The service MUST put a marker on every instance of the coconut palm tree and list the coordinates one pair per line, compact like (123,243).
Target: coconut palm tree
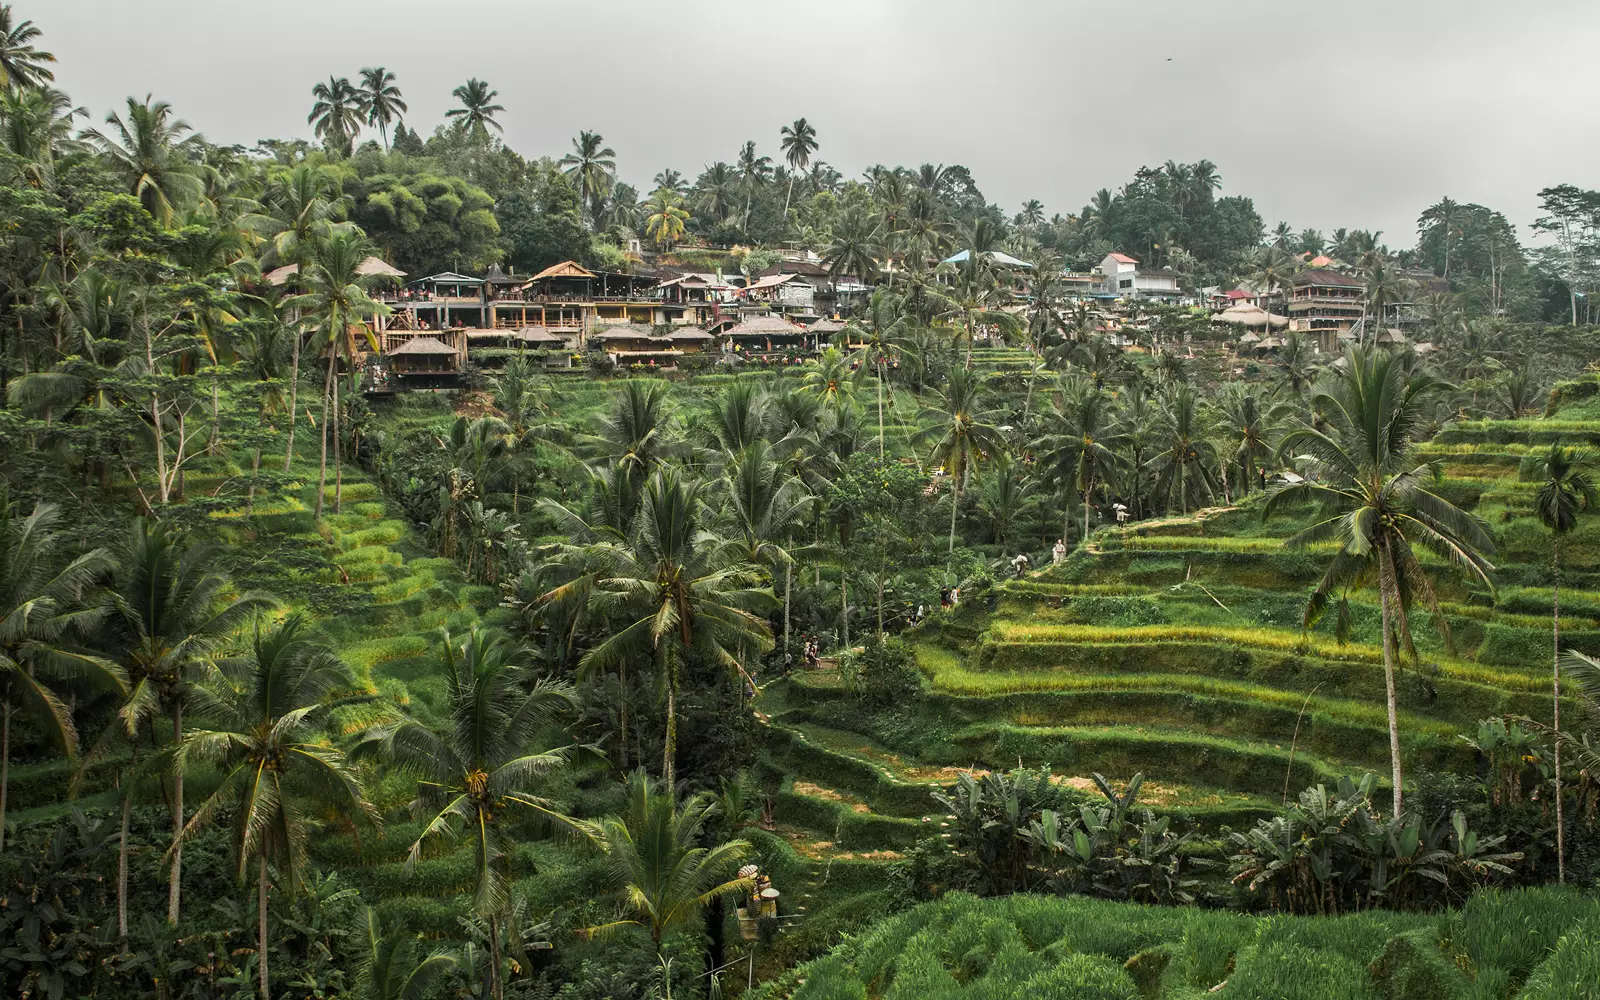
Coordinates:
(716,190)
(171,610)
(21,62)
(678,595)
(766,506)
(593,167)
(754,170)
(1248,424)
(42,587)
(831,380)
(878,332)
(380,99)
(856,245)
(672,181)
(1565,491)
(279,775)
(478,778)
(1445,217)
(1079,445)
(1184,467)
(36,128)
(157,156)
(665,223)
(336,114)
(336,300)
(1272,270)
(1386,288)
(1295,363)
(477,109)
(799,142)
(1379,505)
(656,859)
(957,432)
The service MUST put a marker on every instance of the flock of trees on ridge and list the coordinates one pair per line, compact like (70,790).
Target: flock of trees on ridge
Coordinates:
(183,648)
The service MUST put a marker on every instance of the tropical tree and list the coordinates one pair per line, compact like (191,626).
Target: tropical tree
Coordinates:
(716,189)
(22,64)
(665,223)
(1248,425)
(1443,218)
(279,775)
(1080,443)
(336,303)
(1565,491)
(42,590)
(799,142)
(36,128)
(336,114)
(766,506)
(157,156)
(753,171)
(478,110)
(878,332)
(680,595)
(380,99)
(593,167)
(958,433)
(1273,269)
(855,246)
(391,968)
(1184,467)
(831,380)
(171,611)
(478,777)
(1373,408)
(654,853)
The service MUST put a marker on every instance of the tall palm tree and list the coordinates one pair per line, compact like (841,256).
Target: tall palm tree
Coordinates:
(766,506)
(665,223)
(1248,424)
(1373,410)
(156,155)
(799,142)
(1444,216)
(831,380)
(1386,288)
(42,586)
(957,432)
(477,774)
(633,436)
(878,332)
(1184,467)
(856,245)
(754,170)
(336,114)
(679,595)
(171,610)
(716,190)
(1080,443)
(36,128)
(593,166)
(336,299)
(477,109)
(22,64)
(672,181)
(654,853)
(1272,270)
(1296,364)
(279,776)
(381,102)
(1565,491)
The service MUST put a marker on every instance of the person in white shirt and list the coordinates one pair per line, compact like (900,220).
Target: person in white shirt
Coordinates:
(1058,554)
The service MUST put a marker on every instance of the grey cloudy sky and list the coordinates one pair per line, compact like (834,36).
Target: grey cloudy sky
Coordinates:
(1356,113)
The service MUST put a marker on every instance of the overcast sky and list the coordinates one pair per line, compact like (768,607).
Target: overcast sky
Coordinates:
(1356,113)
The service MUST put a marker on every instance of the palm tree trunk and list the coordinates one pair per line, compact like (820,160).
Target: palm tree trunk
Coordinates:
(294,387)
(669,749)
(261,926)
(338,447)
(1087,490)
(844,607)
(788,572)
(880,412)
(1561,819)
(1388,601)
(122,847)
(322,475)
(177,821)
(5,766)
(255,470)
(494,958)
(622,696)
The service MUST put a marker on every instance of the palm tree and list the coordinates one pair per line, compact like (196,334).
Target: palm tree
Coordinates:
(1080,443)
(958,434)
(21,63)
(170,612)
(1565,491)
(765,507)
(799,142)
(831,380)
(654,855)
(477,776)
(380,100)
(593,165)
(337,298)
(41,591)
(1183,469)
(1272,270)
(1373,409)
(156,155)
(1444,216)
(878,333)
(1248,422)
(634,435)
(1295,363)
(672,181)
(278,772)
(680,595)
(716,192)
(855,246)
(665,223)
(477,109)
(36,128)
(336,114)
(754,170)
(1386,288)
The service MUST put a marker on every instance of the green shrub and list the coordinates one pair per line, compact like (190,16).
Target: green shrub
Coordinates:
(1284,971)
(1572,972)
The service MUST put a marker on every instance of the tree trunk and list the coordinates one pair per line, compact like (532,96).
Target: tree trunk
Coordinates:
(955,505)
(669,749)
(844,609)
(5,766)
(261,928)
(322,474)
(1087,490)
(338,446)
(122,850)
(1388,601)
(880,413)
(294,387)
(788,572)
(177,821)
(1561,818)
(622,697)
(255,470)
(494,958)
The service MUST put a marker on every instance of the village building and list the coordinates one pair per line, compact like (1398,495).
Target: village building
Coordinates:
(1326,304)
(1121,276)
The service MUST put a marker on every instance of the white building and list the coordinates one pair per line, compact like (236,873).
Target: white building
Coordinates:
(1122,276)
